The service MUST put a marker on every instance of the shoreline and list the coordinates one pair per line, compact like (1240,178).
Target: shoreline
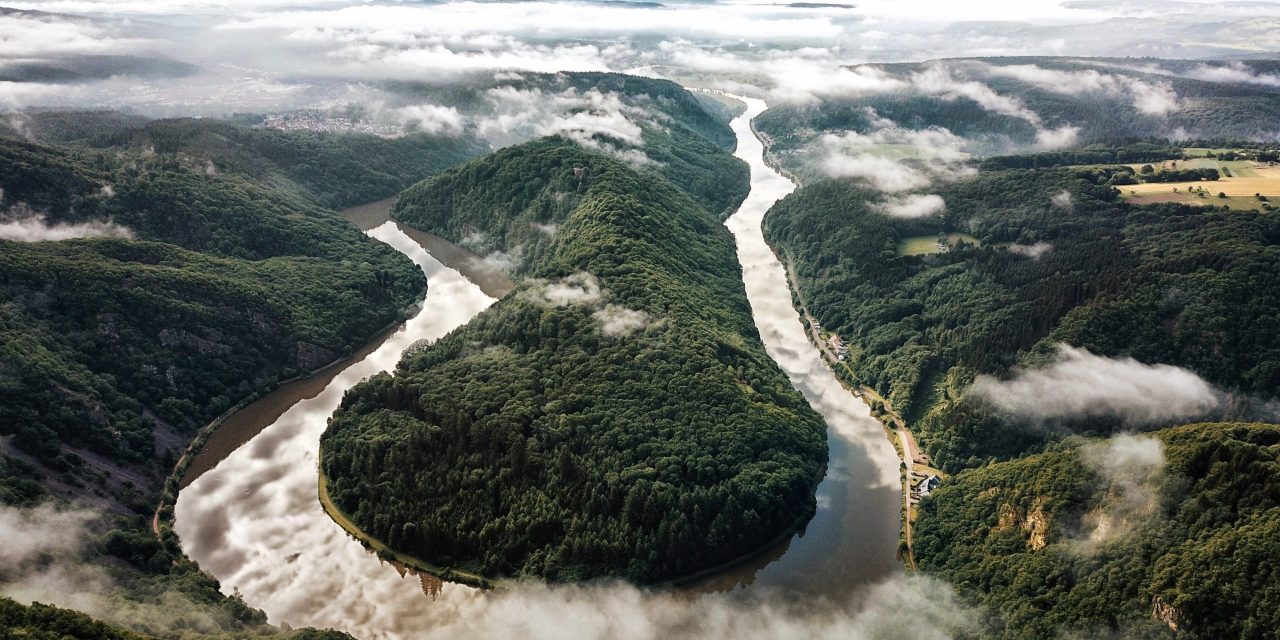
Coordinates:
(180,476)
(384,551)
(487,583)
(364,217)
(907,553)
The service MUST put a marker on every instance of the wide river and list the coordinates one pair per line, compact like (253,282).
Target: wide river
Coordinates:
(250,514)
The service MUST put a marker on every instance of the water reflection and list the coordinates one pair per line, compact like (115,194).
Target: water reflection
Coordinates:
(853,539)
(255,522)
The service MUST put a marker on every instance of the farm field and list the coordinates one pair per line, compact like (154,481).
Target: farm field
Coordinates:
(1236,203)
(1241,190)
(1236,168)
(924,245)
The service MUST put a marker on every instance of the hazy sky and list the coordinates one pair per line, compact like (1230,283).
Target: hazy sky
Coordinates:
(262,56)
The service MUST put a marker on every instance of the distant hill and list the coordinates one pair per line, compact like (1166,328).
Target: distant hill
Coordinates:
(1003,105)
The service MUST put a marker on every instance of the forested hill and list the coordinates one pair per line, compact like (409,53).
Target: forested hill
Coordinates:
(1019,263)
(43,622)
(1202,555)
(1020,104)
(334,170)
(1061,260)
(616,415)
(143,294)
(680,137)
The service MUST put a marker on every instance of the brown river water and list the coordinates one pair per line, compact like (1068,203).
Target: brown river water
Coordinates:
(249,511)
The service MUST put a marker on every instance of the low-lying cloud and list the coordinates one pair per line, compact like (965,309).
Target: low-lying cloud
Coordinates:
(1079,384)
(45,558)
(35,228)
(909,607)
(1235,72)
(579,288)
(938,80)
(1129,467)
(892,159)
(911,206)
(1033,251)
(618,321)
(431,118)
(1149,97)
(1063,200)
(594,119)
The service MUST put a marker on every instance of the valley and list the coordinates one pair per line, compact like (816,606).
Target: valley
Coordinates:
(588,320)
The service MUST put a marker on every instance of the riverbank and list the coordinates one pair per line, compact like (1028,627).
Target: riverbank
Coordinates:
(895,427)
(247,418)
(385,552)
(240,423)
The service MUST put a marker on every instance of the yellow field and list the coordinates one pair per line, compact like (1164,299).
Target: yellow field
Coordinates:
(1263,180)
(1237,168)
(924,245)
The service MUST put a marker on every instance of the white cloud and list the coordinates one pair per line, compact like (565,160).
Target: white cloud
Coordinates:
(597,120)
(618,321)
(798,80)
(1063,200)
(1063,136)
(34,228)
(1155,98)
(938,80)
(911,206)
(32,35)
(1079,384)
(1033,251)
(31,533)
(579,288)
(893,159)
(1130,467)
(431,118)
(1233,72)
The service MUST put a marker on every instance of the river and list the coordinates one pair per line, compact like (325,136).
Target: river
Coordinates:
(251,517)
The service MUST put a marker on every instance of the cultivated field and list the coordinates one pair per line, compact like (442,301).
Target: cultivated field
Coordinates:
(924,245)
(1241,189)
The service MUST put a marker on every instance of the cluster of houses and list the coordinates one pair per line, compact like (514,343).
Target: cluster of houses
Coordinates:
(321,122)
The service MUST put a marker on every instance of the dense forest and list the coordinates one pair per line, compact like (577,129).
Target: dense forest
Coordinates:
(204,265)
(680,132)
(616,415)
(1201,557)
(1105,101)
(1162,283)
(329,169)
(1048,257)
(43,622)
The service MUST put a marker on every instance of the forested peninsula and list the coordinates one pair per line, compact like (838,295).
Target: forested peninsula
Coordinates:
(616,415)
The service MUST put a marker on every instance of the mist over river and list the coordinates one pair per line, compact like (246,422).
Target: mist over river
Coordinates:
(254,521)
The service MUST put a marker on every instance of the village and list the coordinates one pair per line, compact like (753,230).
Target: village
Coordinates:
(920,477)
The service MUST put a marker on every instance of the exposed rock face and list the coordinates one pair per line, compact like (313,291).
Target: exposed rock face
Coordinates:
(1165,612)
(1035,523)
